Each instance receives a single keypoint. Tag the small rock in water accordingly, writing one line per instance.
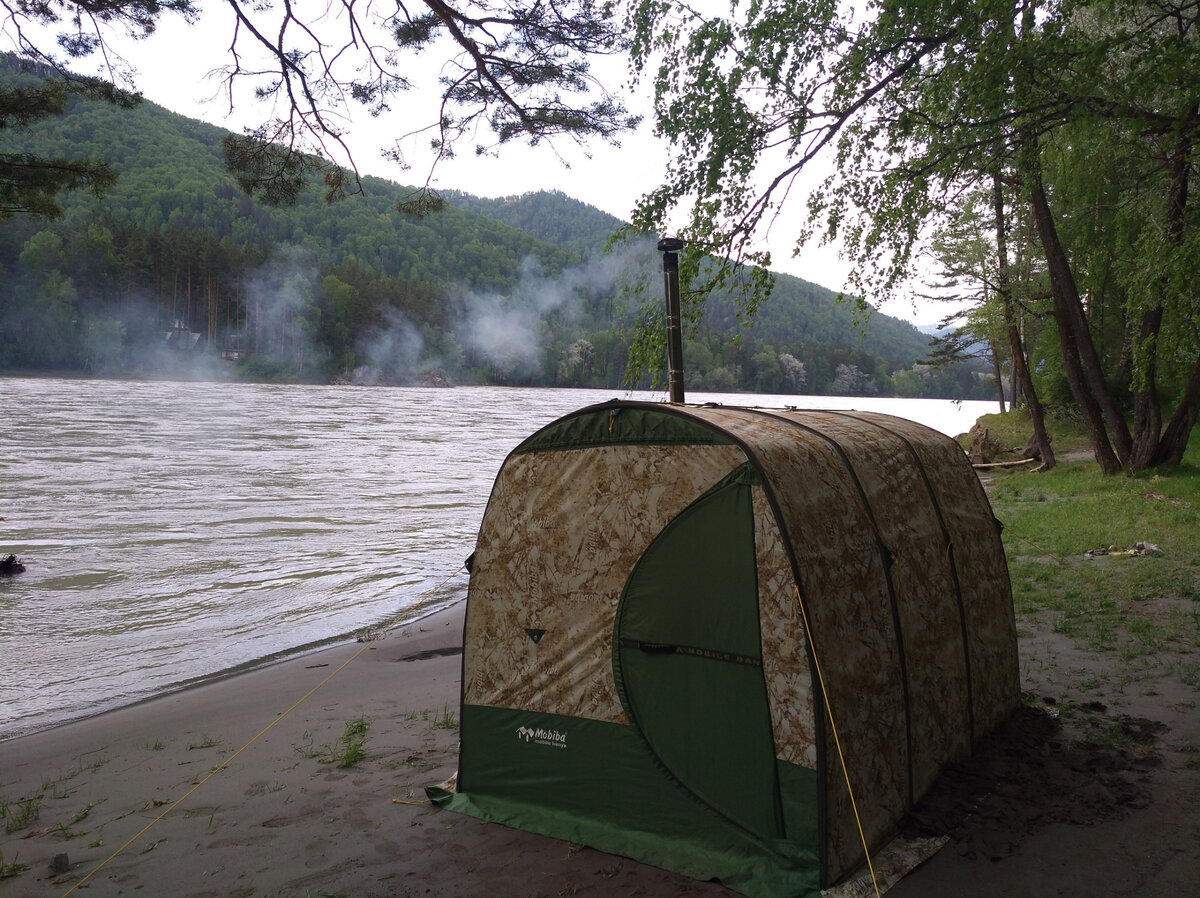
(11, 565)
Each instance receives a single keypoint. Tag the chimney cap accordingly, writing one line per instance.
(670, 245)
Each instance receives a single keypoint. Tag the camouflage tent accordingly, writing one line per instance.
(731, 642)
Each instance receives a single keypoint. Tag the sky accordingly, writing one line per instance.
(173, 70)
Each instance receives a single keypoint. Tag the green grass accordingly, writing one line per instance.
(353, 741)
(347, 751)
(1134, 607)
(1012, 430)
(18, 815)
(9, 869)
(83, 812)
(60, 830)
(1192, 753)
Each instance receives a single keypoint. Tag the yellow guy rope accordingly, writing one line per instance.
(796, 598)
(383, 632)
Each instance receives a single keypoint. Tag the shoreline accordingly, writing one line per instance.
(282, 656)
(238, 788)
(247, 786)
(101, 778)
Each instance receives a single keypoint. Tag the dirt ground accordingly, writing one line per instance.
(1093, 789)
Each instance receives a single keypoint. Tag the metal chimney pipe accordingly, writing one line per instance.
(670, 247)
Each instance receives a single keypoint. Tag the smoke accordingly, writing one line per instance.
(135, 335)
(393, 353)
(283, 320)
(285, 327)
(283, 316)
(508, 332)
(497, 331)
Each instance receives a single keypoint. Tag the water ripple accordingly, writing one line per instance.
(175, 530)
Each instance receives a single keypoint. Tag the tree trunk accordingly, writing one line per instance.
(1149, 448)
(1016, 346)
(1069, 322)
(1147, 407)
(1175, 438)
(1014, 385)
(997, 374)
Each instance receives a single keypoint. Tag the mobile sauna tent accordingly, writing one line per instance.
(713, 638)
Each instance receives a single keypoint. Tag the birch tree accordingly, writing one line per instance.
(914, 104)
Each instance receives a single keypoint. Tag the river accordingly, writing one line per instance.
(175, 531)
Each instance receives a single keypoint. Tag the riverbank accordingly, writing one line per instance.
(129, 800)
(308, 777)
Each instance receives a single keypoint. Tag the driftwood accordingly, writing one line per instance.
(984, 447)
(1004, 464)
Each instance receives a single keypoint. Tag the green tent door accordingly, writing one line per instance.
(688, 657)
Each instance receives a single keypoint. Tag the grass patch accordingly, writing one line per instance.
(1192, 753)
(353, 741)
(347, 751)
(61, 831)
(18, 815)
(1141, 608)
(83, 812)
(447, 720)
(9, 869)
(1013, 428)
(53, 785)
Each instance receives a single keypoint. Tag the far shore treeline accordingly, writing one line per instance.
(175, 271)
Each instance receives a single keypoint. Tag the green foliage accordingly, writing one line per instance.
(549, 216)
(1091, 109)
(30, 182)
(266, 170)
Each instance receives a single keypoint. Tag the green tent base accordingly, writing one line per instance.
(661, 823)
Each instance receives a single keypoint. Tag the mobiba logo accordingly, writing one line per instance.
(552, 738)
(590, 597)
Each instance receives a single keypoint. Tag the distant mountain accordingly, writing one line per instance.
(548, 216)
(511, 290)
(798, 312)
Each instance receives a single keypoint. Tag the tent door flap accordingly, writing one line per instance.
(688, 657)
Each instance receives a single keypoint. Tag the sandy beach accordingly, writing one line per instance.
(1103, 800)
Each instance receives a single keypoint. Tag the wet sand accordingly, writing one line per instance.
(234, 789)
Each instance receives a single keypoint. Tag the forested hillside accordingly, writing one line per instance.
(175, 269)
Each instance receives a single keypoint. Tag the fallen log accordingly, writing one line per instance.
(1005, 464)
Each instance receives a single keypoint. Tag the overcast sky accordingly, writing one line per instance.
(174, 62)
